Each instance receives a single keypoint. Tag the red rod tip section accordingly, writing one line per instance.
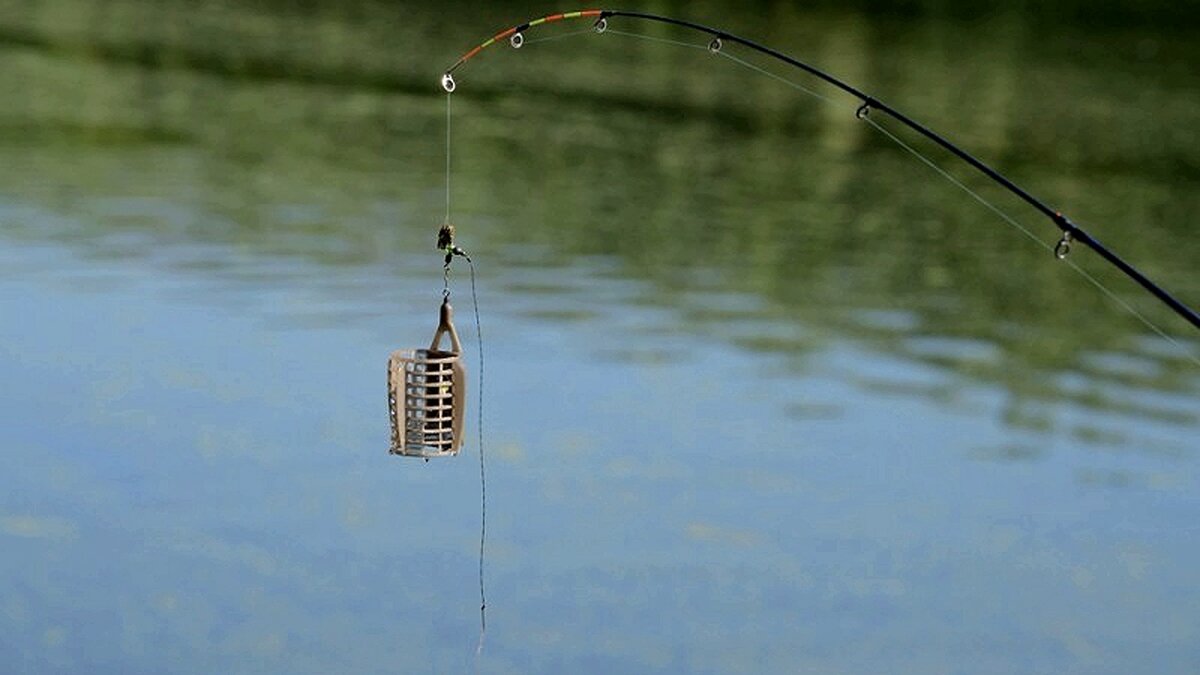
(504, 34)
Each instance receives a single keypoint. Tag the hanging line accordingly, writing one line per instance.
(454, 250)
(482, 474)
(479, 437)
(1071, 232)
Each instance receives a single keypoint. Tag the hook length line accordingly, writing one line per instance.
(1071, 232)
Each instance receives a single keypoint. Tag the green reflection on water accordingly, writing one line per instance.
(305, 130)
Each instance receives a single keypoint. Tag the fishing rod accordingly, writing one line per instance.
(1071, 232)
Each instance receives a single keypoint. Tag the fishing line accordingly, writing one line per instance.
(942, 172)
(448, 97)
(447, 243)
(724, 54)
(1183, 349)
(451, 251)
(864, 116)
(479, 411)
(778, 78)
(962, 186)
(651, 38)
(1120, 302)
(551, 38)
(482, 475)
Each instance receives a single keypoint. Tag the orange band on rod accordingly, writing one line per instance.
(503, 34)
(471, 53)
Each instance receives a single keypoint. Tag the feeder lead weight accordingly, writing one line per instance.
(600, 26)
(715, 45)
(448, 83)
(516, 40)
(1063, 248)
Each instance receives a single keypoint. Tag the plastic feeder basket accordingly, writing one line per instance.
(426, 394)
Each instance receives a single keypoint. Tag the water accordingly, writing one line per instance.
(763, 392)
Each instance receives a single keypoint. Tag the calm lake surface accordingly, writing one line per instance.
(763, 392)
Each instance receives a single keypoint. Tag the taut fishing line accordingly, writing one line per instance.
(1056, 250)
(1070, 231)
(447, 221)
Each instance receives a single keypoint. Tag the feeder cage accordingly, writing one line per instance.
(426, 394)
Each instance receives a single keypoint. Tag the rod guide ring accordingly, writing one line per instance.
(1063, 248)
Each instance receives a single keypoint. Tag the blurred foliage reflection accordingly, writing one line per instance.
(306, 128)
